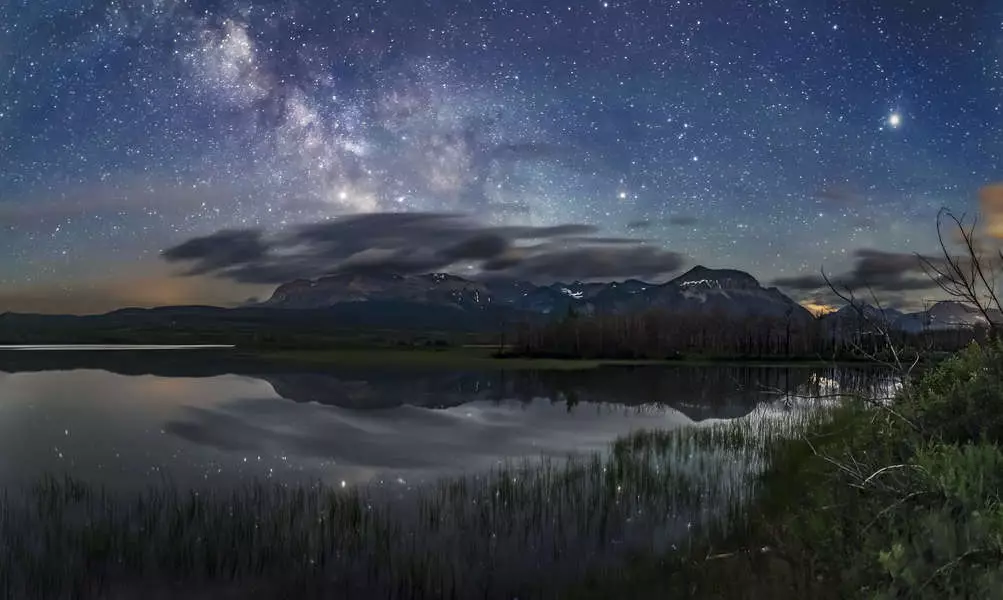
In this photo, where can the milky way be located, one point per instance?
(773, 136)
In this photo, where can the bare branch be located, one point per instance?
(968, 279)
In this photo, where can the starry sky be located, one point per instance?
(773, 136)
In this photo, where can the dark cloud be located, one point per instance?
(403, 261)
(220, 250)
(874, 269)
(598, 262)
(606, 240)
(807, 283)
(482, 246)
(875, 265)
(540, 233)
(410, 243)
(502, 263)
(269, 273)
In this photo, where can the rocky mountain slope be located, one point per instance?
(699, 290)
(719, 291)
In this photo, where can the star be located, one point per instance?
(134, 129)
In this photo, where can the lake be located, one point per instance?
(210, 419)
(194, 472)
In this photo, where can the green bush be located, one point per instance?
(947, 541)
(961, 400)
(904, 503)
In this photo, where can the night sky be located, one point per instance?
(776, 137)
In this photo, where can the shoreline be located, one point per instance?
(487, 359)
(482, 357)
(109, 347)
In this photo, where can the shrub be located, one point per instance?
(905, 503)
(961, 400)
(947, 541)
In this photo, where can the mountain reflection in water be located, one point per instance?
(123, 417)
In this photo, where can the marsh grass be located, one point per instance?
(527, 529)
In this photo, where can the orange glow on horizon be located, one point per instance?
(818, 309)
(127, 291)
(991, 207)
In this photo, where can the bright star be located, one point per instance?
(894, 120)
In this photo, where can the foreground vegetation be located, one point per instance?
(901, 501)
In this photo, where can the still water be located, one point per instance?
(208, 419)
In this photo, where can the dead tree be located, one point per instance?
(969, 277)
(880, 327)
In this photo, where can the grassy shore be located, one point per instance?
(899, 500)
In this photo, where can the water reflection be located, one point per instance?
(700, 392)
(125, 420)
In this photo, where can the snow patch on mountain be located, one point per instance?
(701, 282)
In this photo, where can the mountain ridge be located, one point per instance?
(940, 316)
(441, 301)
(699, 290)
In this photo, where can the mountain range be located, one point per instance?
(444, 302)
(700, 290)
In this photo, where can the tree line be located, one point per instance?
(659, 334)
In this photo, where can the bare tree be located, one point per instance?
(969, 277)
(879, 326)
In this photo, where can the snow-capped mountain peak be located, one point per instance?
(704, 277)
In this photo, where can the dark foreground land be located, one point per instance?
(855, 499)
